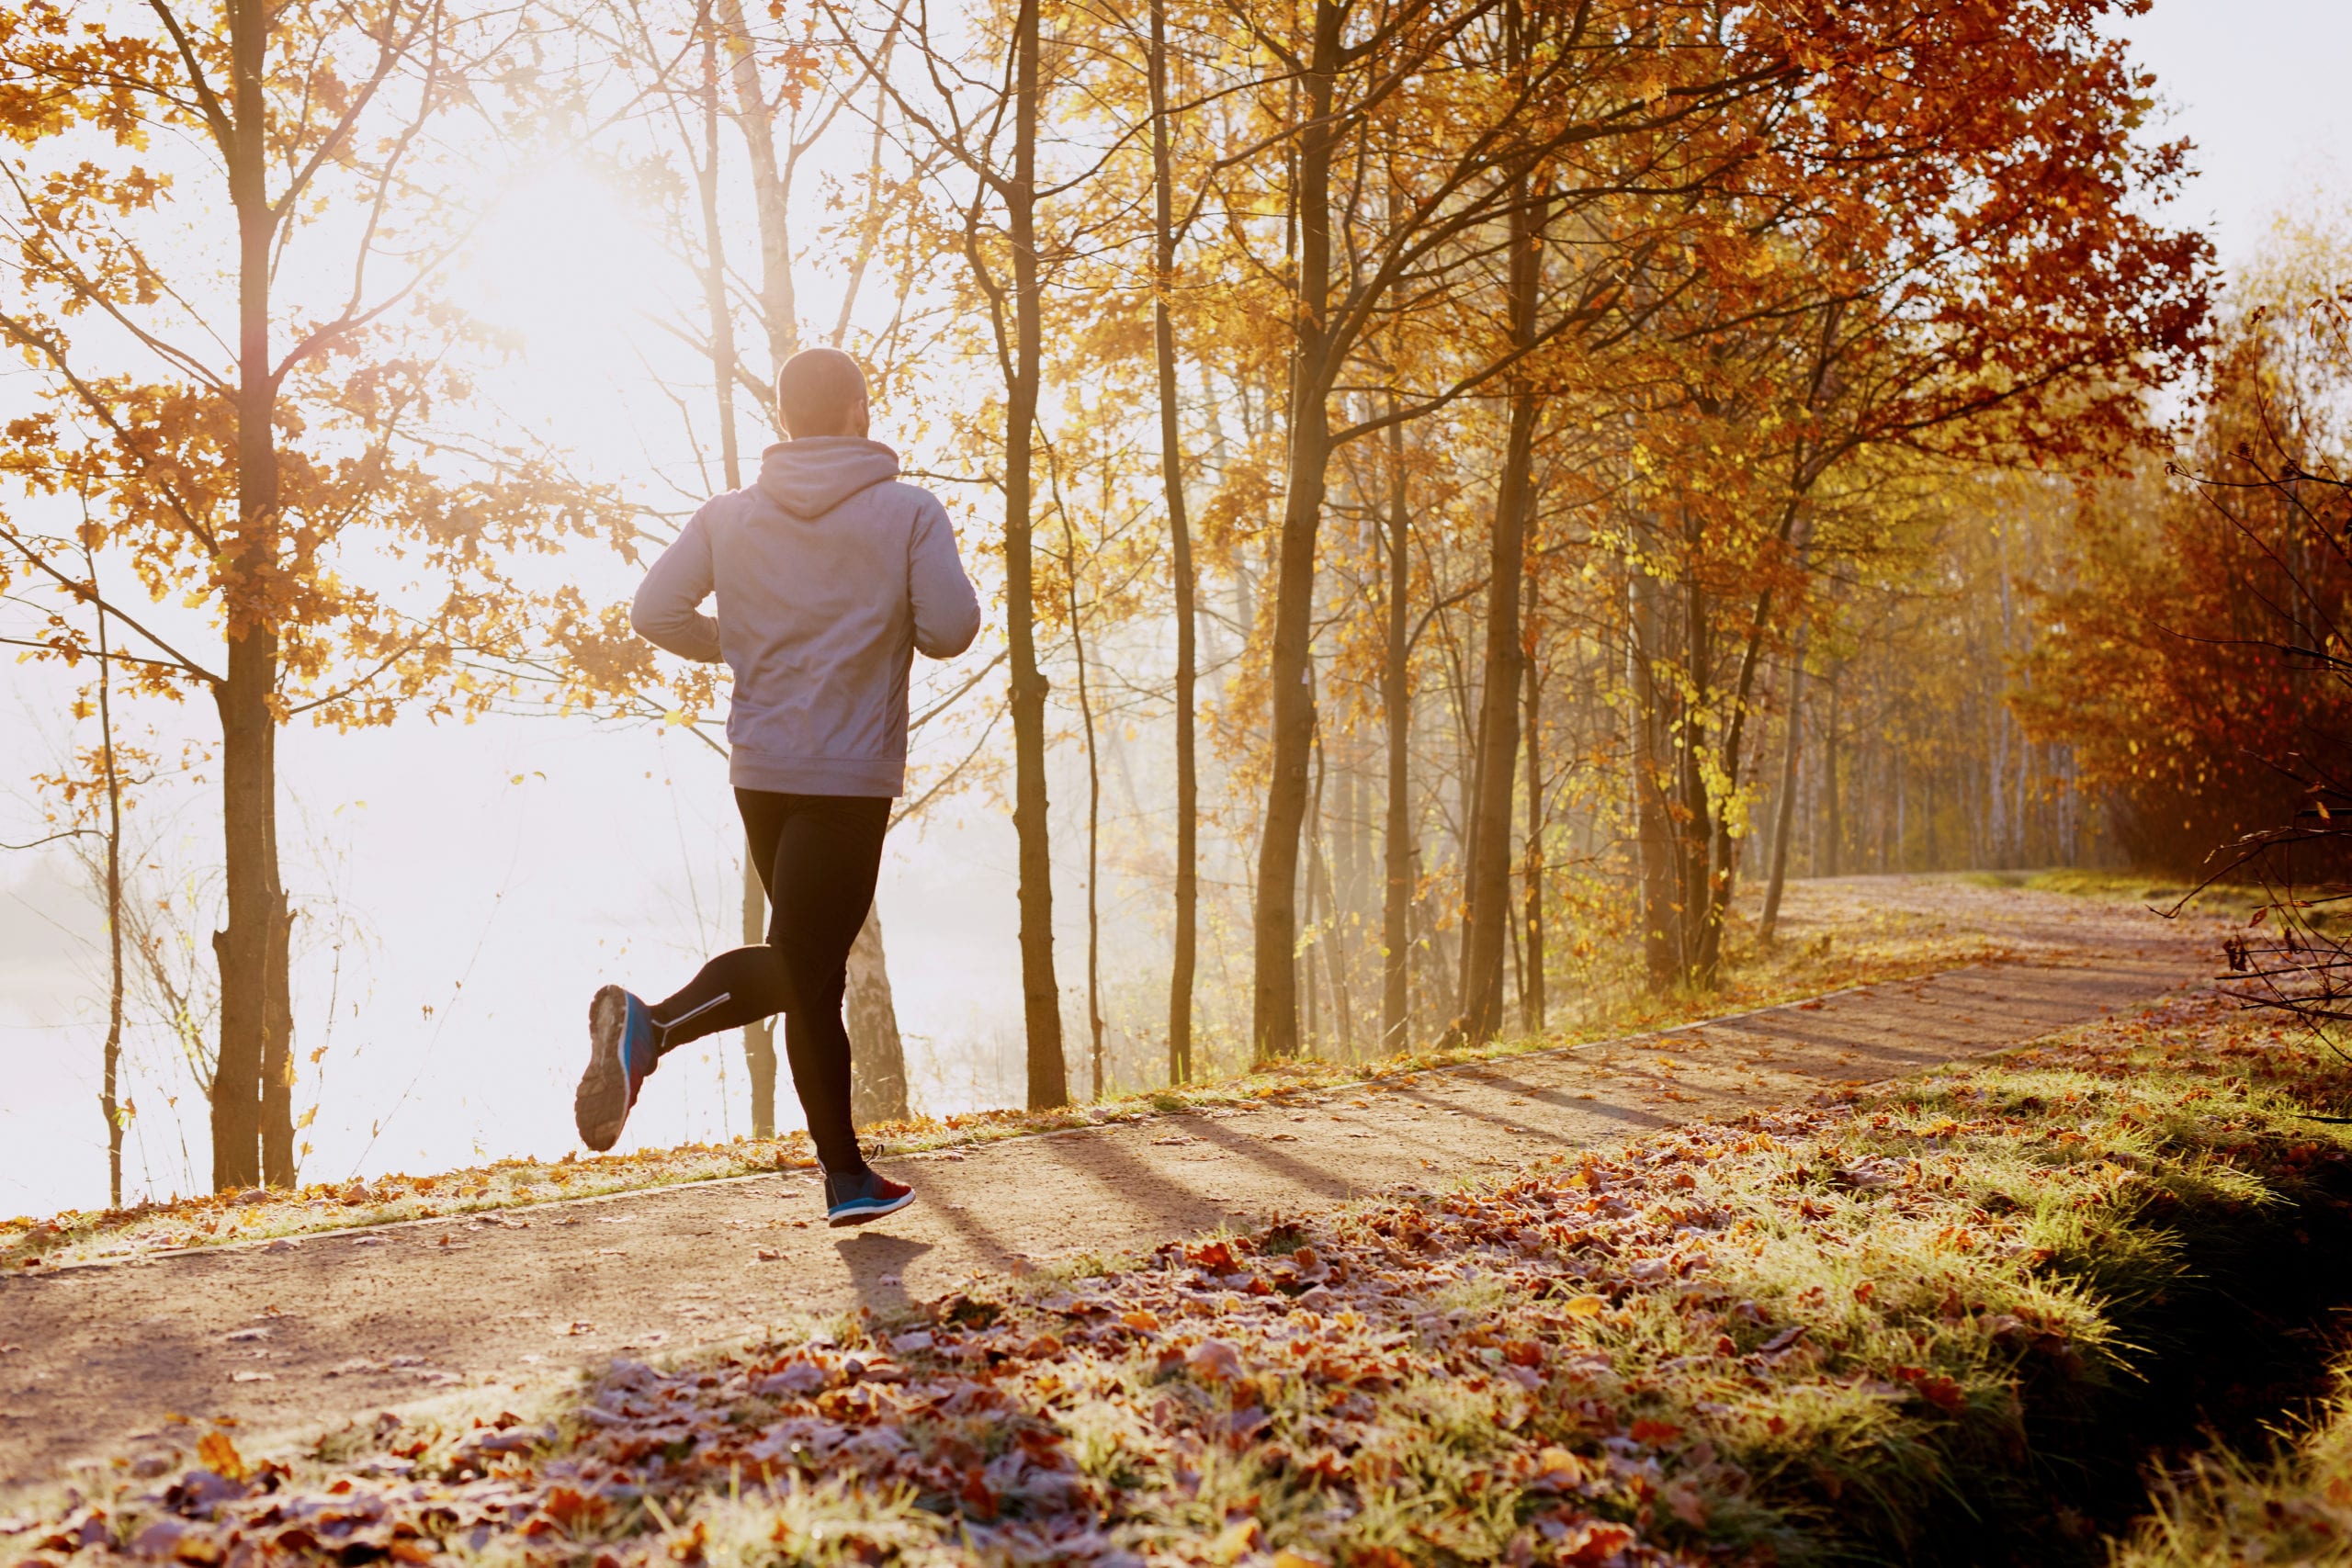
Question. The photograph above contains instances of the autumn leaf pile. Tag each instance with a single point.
(1801, 1334)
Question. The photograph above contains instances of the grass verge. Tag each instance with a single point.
(1938, 1322)
(1857, 951)
(2230, 900)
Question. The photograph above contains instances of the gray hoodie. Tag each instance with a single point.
(831, 576)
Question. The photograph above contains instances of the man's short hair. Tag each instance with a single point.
(816, 391)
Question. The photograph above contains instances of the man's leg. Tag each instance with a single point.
(828, 855)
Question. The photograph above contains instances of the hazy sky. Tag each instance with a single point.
(494, 874)
(2258, 87)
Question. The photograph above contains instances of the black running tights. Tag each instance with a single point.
(818, 856)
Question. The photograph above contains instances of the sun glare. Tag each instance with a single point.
(572, 268)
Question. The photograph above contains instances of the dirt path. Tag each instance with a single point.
(300, 1334)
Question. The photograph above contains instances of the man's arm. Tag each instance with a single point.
(946, 611)
(667, 612)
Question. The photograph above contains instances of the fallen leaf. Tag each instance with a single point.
(218, 1454)
(1235, 1541)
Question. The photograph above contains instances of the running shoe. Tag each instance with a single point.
(868, 1195)
(621, 1052)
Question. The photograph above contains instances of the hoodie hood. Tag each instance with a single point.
(810, 477)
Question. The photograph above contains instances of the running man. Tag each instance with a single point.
(831, 576)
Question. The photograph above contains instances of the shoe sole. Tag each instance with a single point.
(600, 1105)
(860, 1216)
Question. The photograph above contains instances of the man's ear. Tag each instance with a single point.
(863, 420)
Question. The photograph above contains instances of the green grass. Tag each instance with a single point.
(1943, 1322)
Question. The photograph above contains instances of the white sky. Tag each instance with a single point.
(2258, 87)
(499, 907)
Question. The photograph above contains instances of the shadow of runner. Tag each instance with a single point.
(876, 1264)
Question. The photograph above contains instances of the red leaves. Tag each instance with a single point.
(977, 1495)
(569, 1510)
(1595, 1541)
(1933, 1387)
(1654, 1433)
(1216, 1257)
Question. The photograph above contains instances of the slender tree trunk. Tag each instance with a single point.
(1273, 1021)
(1093, 822)
(1486, 900)
(1833, 787)
(1179, 534)
(1040, 993)
(1661, 961)
(1396, 700)
(759, 1038)
(779, 308)
(251, 950)
(877, 1079)
(1318, 871)
(1690, 822)
(1784, 808)
(1530, 989)
(109, 1102)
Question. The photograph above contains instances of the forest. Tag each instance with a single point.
(1694, 648)
(1463, 494)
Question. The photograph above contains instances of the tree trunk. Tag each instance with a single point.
(1180, 534)
(877, 1076)
(1324, 891)
(1487, 899)
(759, 1038)
(1274, 1013)
(251, 950)
(1661, 961)
(1040, 994)
(779, 309)
(1397, 698)
(1094, 820)
(109, 1102)
(1531, 990)
(1784, 808)
(1833, 793)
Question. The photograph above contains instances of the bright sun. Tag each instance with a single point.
(572, 267)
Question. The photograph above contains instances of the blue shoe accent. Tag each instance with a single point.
(868, 1195)
(623, 1047)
